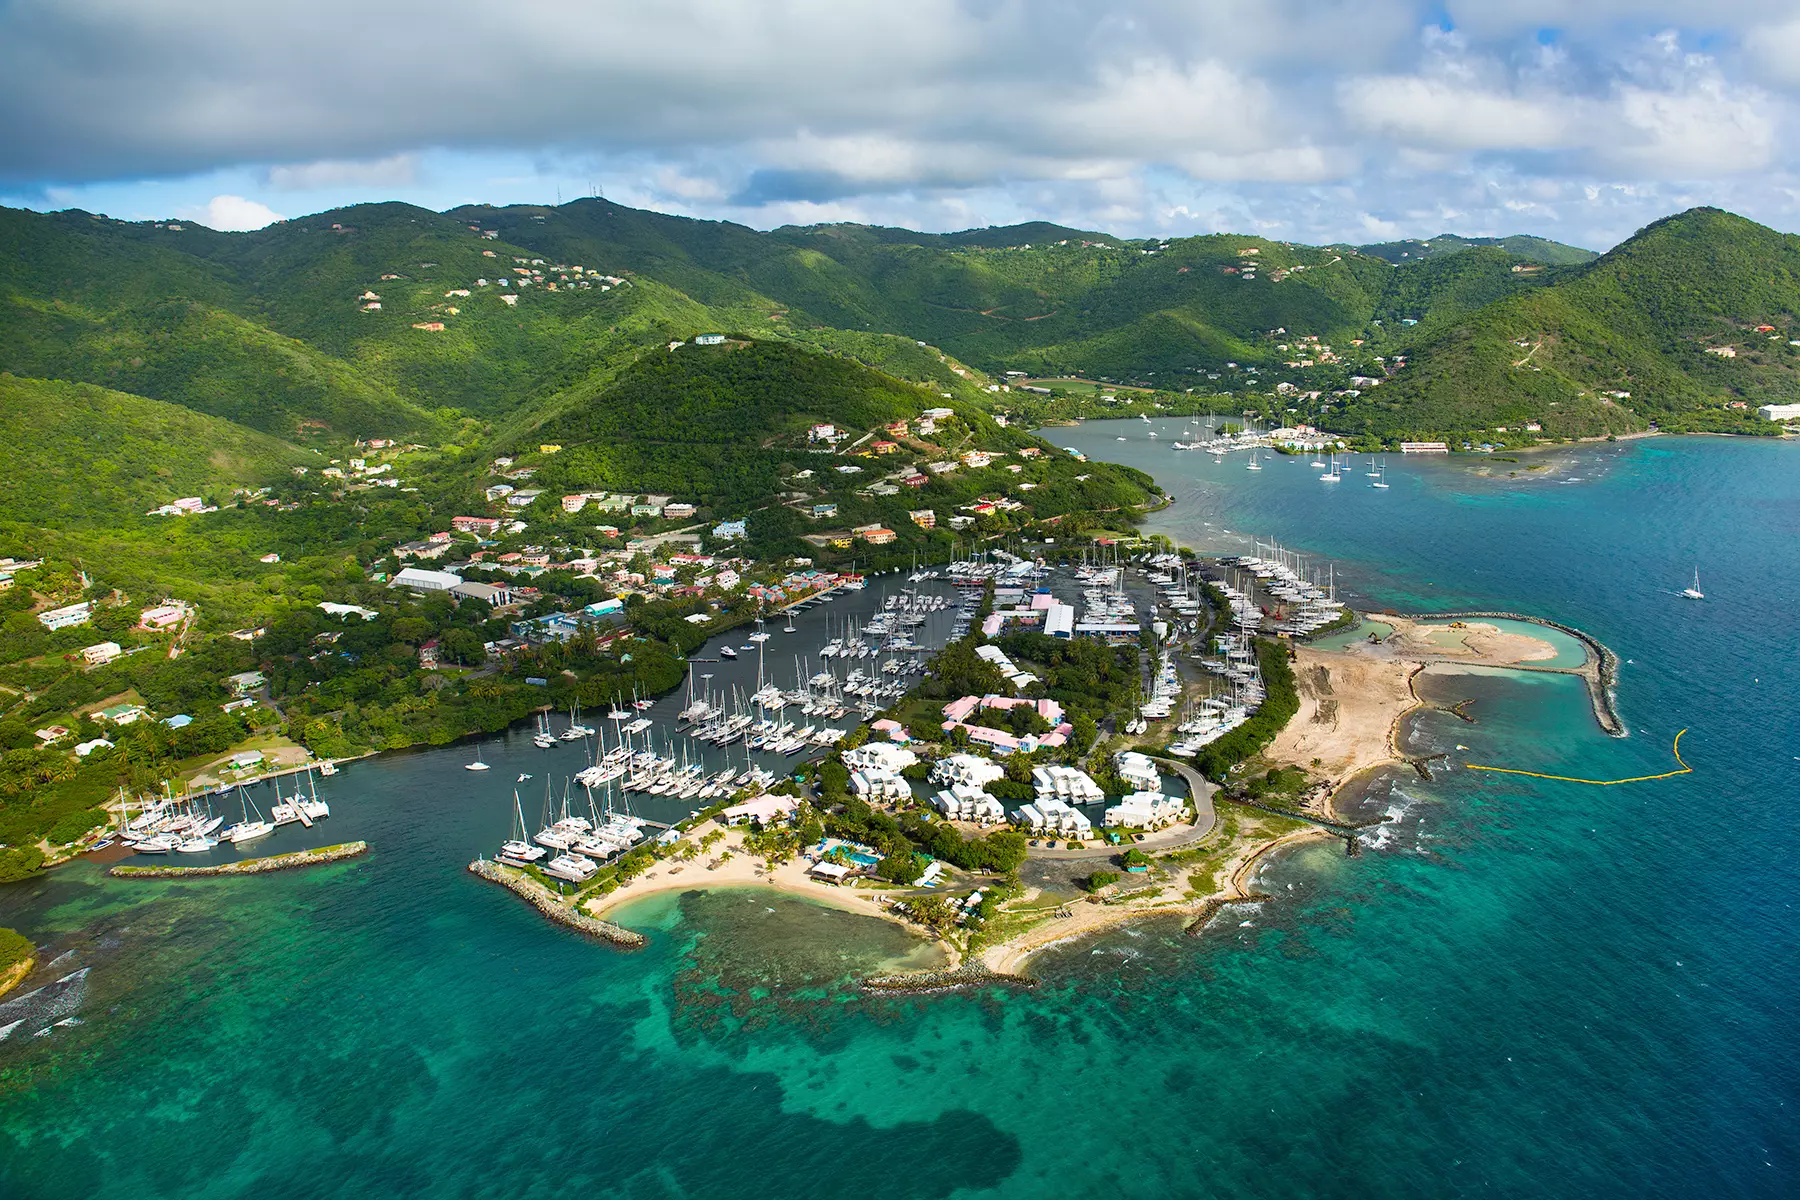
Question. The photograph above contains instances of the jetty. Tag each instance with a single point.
(248, 866)
(968, 974)
(554, 906)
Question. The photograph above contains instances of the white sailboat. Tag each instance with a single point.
(477, 765)
(247, 830)
(1380, 474)
(516, 849)
(1254, 465)
(1694, 593)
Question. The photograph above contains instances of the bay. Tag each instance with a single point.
(1522, 987)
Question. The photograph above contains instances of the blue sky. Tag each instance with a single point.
(1307, 120)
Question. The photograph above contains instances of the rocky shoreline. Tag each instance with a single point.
(249, 866)
(553, 907)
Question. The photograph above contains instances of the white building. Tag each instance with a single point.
(1145, 810)
(1138, 770)
(763, 810)
(69, 614)
(101, 653)
(421, 580)
(1070, 785)
(964, 802)
(966, 769)
(1046, 815)
(1779, 412)
(880, 756)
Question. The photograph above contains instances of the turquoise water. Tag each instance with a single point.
(1521, 988)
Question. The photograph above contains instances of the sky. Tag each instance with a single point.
(1302, 120)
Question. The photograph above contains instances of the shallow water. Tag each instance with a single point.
(1522, 987)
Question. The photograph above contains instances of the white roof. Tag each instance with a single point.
(441, 581)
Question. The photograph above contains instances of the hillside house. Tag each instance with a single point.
(164, 616)
(101, 653)
(64, 617)
(924, 518)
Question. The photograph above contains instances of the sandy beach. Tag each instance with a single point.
(710, 869)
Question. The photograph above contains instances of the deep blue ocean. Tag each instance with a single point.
(1521, 988)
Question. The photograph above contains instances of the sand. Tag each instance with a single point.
(1350, 707)
(741, 870)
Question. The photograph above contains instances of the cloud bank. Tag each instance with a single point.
(1306, 118)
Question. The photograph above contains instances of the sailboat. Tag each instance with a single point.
(1254, 465)
(1380, 474)
(247, 830)
(477, 765)
(516, 849)
(1332, 475)
(1694, 593)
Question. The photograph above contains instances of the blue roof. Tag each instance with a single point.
(178, 721)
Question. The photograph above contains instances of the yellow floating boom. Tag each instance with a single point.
(1685, 770)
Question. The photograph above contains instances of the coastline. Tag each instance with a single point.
(16, 974)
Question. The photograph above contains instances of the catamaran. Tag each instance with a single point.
(1694, 593)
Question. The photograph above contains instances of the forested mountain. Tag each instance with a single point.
(1690, 323)
(390, 320)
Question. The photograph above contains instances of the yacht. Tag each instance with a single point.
(728, 651)
(516, 850)
(1694, 593)
(247, 830)
(571, 867)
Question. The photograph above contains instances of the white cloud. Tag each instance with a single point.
(1440, 115)
(1156, 113)
(232, 213)
(394, 171)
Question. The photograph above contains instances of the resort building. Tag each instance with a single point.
(1046, 815)
(1068, 784)
(763, 810)
(970, 770)
(1138, 770)
(965, 802)
(1145, 810)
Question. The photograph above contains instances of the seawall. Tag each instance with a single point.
(249, 866)
(1601, 675)
(554, 907)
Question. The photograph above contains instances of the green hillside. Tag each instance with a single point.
(715, 422)
(1617, 344)
(1519, 247)
(74, 454)
(387, 320)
